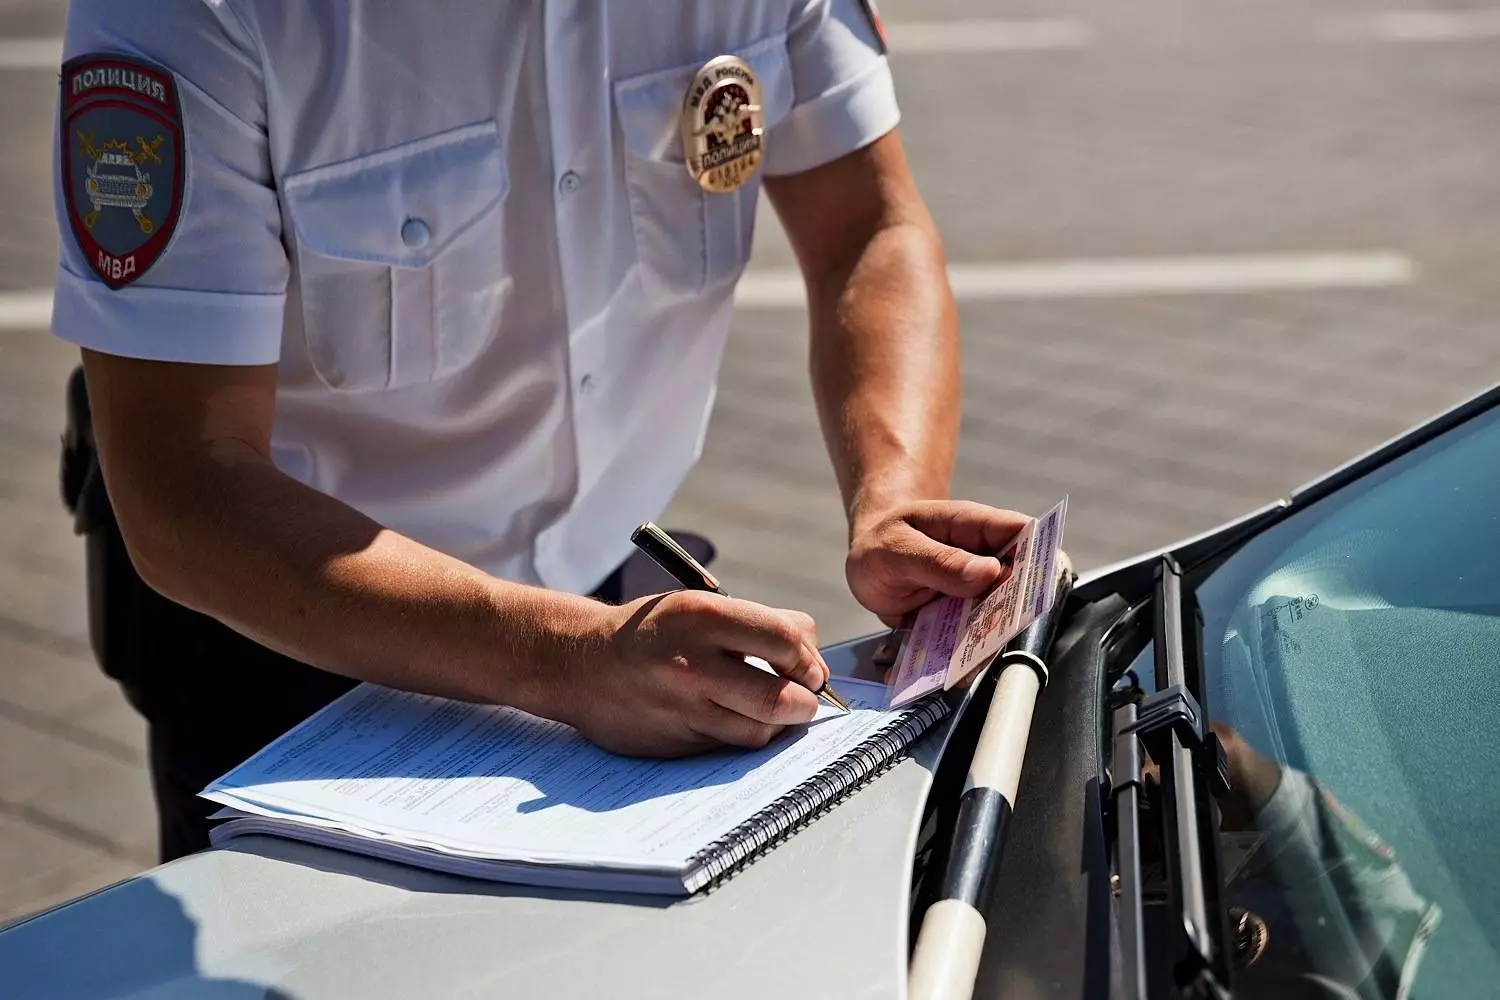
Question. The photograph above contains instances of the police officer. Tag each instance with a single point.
(397, 318)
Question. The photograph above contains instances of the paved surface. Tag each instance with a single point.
(1181, 128)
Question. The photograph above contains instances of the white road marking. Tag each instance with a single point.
(31, 53)
(26, 310)
(985, 35)
(915, 37)
(781, 288)
(1010, 34)
(1418, 26)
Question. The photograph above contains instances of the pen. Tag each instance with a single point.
(680, 564)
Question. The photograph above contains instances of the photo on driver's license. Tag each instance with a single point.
(834, 498)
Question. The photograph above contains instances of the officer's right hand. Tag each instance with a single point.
(670, 676)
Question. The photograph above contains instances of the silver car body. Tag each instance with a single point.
(823, 915)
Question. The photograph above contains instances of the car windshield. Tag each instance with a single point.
(1352, 654)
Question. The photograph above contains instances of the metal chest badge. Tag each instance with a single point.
(722, 134)
(121, 162)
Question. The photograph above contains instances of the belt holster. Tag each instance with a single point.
(113, 586)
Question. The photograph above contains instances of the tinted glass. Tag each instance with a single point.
(1352, 658)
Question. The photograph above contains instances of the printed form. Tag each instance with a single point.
(495, 782)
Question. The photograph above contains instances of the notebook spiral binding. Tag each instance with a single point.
(795, 810)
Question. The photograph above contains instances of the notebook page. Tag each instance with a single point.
(495, 782)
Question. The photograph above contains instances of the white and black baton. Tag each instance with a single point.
(945, 961)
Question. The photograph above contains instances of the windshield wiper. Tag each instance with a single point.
(1170, 725)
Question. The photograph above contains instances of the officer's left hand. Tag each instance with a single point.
(906, 556)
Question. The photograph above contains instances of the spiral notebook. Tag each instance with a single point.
(495, 793)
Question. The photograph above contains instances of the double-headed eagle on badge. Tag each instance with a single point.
(115, 178)
(727, 120)
(723, 122)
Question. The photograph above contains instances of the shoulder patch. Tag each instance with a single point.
(121, 162)
(876, 24)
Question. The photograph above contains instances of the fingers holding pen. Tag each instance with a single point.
(786, 640)
(670, 675)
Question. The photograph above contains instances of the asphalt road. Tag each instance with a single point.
(1141, 200)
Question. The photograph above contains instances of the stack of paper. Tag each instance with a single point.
(496, 793)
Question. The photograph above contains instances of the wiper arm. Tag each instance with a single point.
(1171, 726)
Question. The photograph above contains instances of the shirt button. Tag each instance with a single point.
(586, 384)
(415, 234)
(569, 183)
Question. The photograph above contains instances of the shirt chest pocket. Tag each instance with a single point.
(689, 240)
(401, 276)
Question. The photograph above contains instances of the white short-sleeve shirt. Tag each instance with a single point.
(465, 232)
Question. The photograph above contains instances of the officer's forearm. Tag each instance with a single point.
(885, 370)
(309, 576)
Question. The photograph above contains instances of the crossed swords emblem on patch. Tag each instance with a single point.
(121, 162)
(115, 179)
